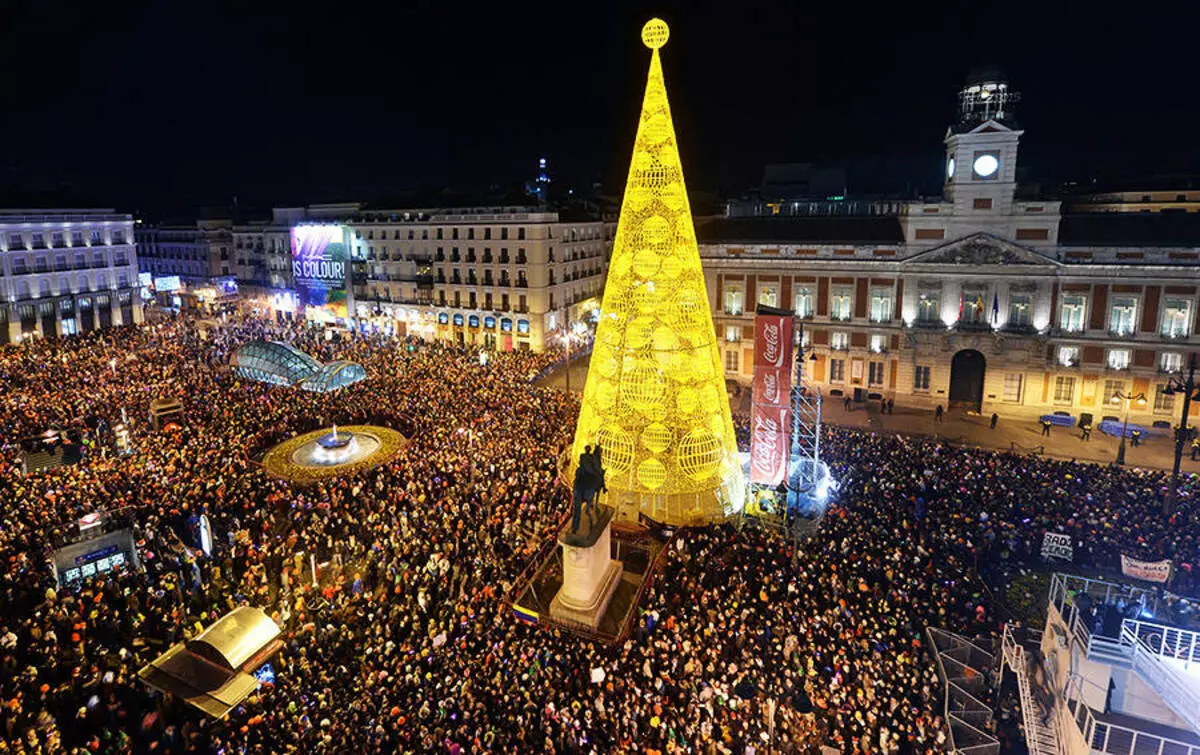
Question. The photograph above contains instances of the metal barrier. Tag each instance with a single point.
(962, 665)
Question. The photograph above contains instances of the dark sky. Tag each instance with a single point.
(157, 105)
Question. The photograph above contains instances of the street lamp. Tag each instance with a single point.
(566, 337)
(1188, 389)
(1118, 397)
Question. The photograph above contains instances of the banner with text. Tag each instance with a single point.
(1151, 571)
(1055, 545)
(320, 268)
(769, 447)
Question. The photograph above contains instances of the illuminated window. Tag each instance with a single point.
(1064, 389)
(768, 295)
(733, 333)
(837, 370)
(929, 308)
(734, 299)
(1122, 315)
(881, 306)
(1071, 316)
(973, 307)
(1177, 318)
(878, 343)
(1118, 359)
(1013, 383)
(839, 308)
(803, 302)
(1020, 307)
(839, 341)
(1170, 361)
(920, 378)
(1068, 356)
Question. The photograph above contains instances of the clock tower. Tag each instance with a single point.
(981, 147)
(980, 176)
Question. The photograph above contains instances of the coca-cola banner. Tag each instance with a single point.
(772, 408)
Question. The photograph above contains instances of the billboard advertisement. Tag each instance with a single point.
(320, 267)
(769, 446)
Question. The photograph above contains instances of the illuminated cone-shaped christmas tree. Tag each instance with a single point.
(655, 396)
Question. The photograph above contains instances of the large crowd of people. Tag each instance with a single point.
(406, 642)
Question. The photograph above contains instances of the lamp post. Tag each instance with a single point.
(1188, 388)
(1127, 398)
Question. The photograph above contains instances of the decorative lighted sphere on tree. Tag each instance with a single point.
(699, 454)
(652, 474)
(617, 448)
(655, 33)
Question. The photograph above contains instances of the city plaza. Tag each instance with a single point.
(272, 535)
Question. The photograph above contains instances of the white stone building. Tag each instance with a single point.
(64, 272)
(982, 299)
(499, 277)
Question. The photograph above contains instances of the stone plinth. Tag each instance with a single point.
(590, 575)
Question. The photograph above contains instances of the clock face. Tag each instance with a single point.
(985, 165)
(950, 168)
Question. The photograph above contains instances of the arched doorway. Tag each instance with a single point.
(966, 380)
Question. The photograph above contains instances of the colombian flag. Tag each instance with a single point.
(524, 614)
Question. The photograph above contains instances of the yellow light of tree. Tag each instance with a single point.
(655, 395)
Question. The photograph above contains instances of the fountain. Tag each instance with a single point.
(334, 448)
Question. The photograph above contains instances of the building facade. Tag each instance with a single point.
(196, 253)
(980, 300)
(64, 272)
(1174, 199)
(497, 277)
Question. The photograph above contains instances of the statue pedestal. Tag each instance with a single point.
(590, 575)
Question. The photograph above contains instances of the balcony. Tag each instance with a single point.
(525, 284)
(839, 318)
(965, 326)
(1019, 328)
(522, 259)
(1120, 332)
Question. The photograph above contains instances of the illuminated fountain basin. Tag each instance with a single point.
(335, 448)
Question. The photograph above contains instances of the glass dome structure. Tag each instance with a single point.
(281, 363)
(334, 375)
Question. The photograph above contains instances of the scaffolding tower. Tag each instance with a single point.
(808, 479)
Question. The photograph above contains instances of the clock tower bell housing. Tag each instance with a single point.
(980, 175)
(981, 148)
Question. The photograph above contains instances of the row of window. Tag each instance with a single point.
(1012, 392)
(1120, 358)
(41, 264)
(22, 289)
(1175, 319)
(804, 302)
(37, 239)
(440, 234)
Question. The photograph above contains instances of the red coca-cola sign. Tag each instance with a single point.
(769, 438)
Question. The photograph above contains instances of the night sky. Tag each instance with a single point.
(164, 106)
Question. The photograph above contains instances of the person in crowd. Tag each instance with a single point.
(403, 640)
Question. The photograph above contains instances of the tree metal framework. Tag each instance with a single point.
(655, 396)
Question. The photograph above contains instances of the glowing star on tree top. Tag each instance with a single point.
(655, 396)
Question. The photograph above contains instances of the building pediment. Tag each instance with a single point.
(981, 249)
